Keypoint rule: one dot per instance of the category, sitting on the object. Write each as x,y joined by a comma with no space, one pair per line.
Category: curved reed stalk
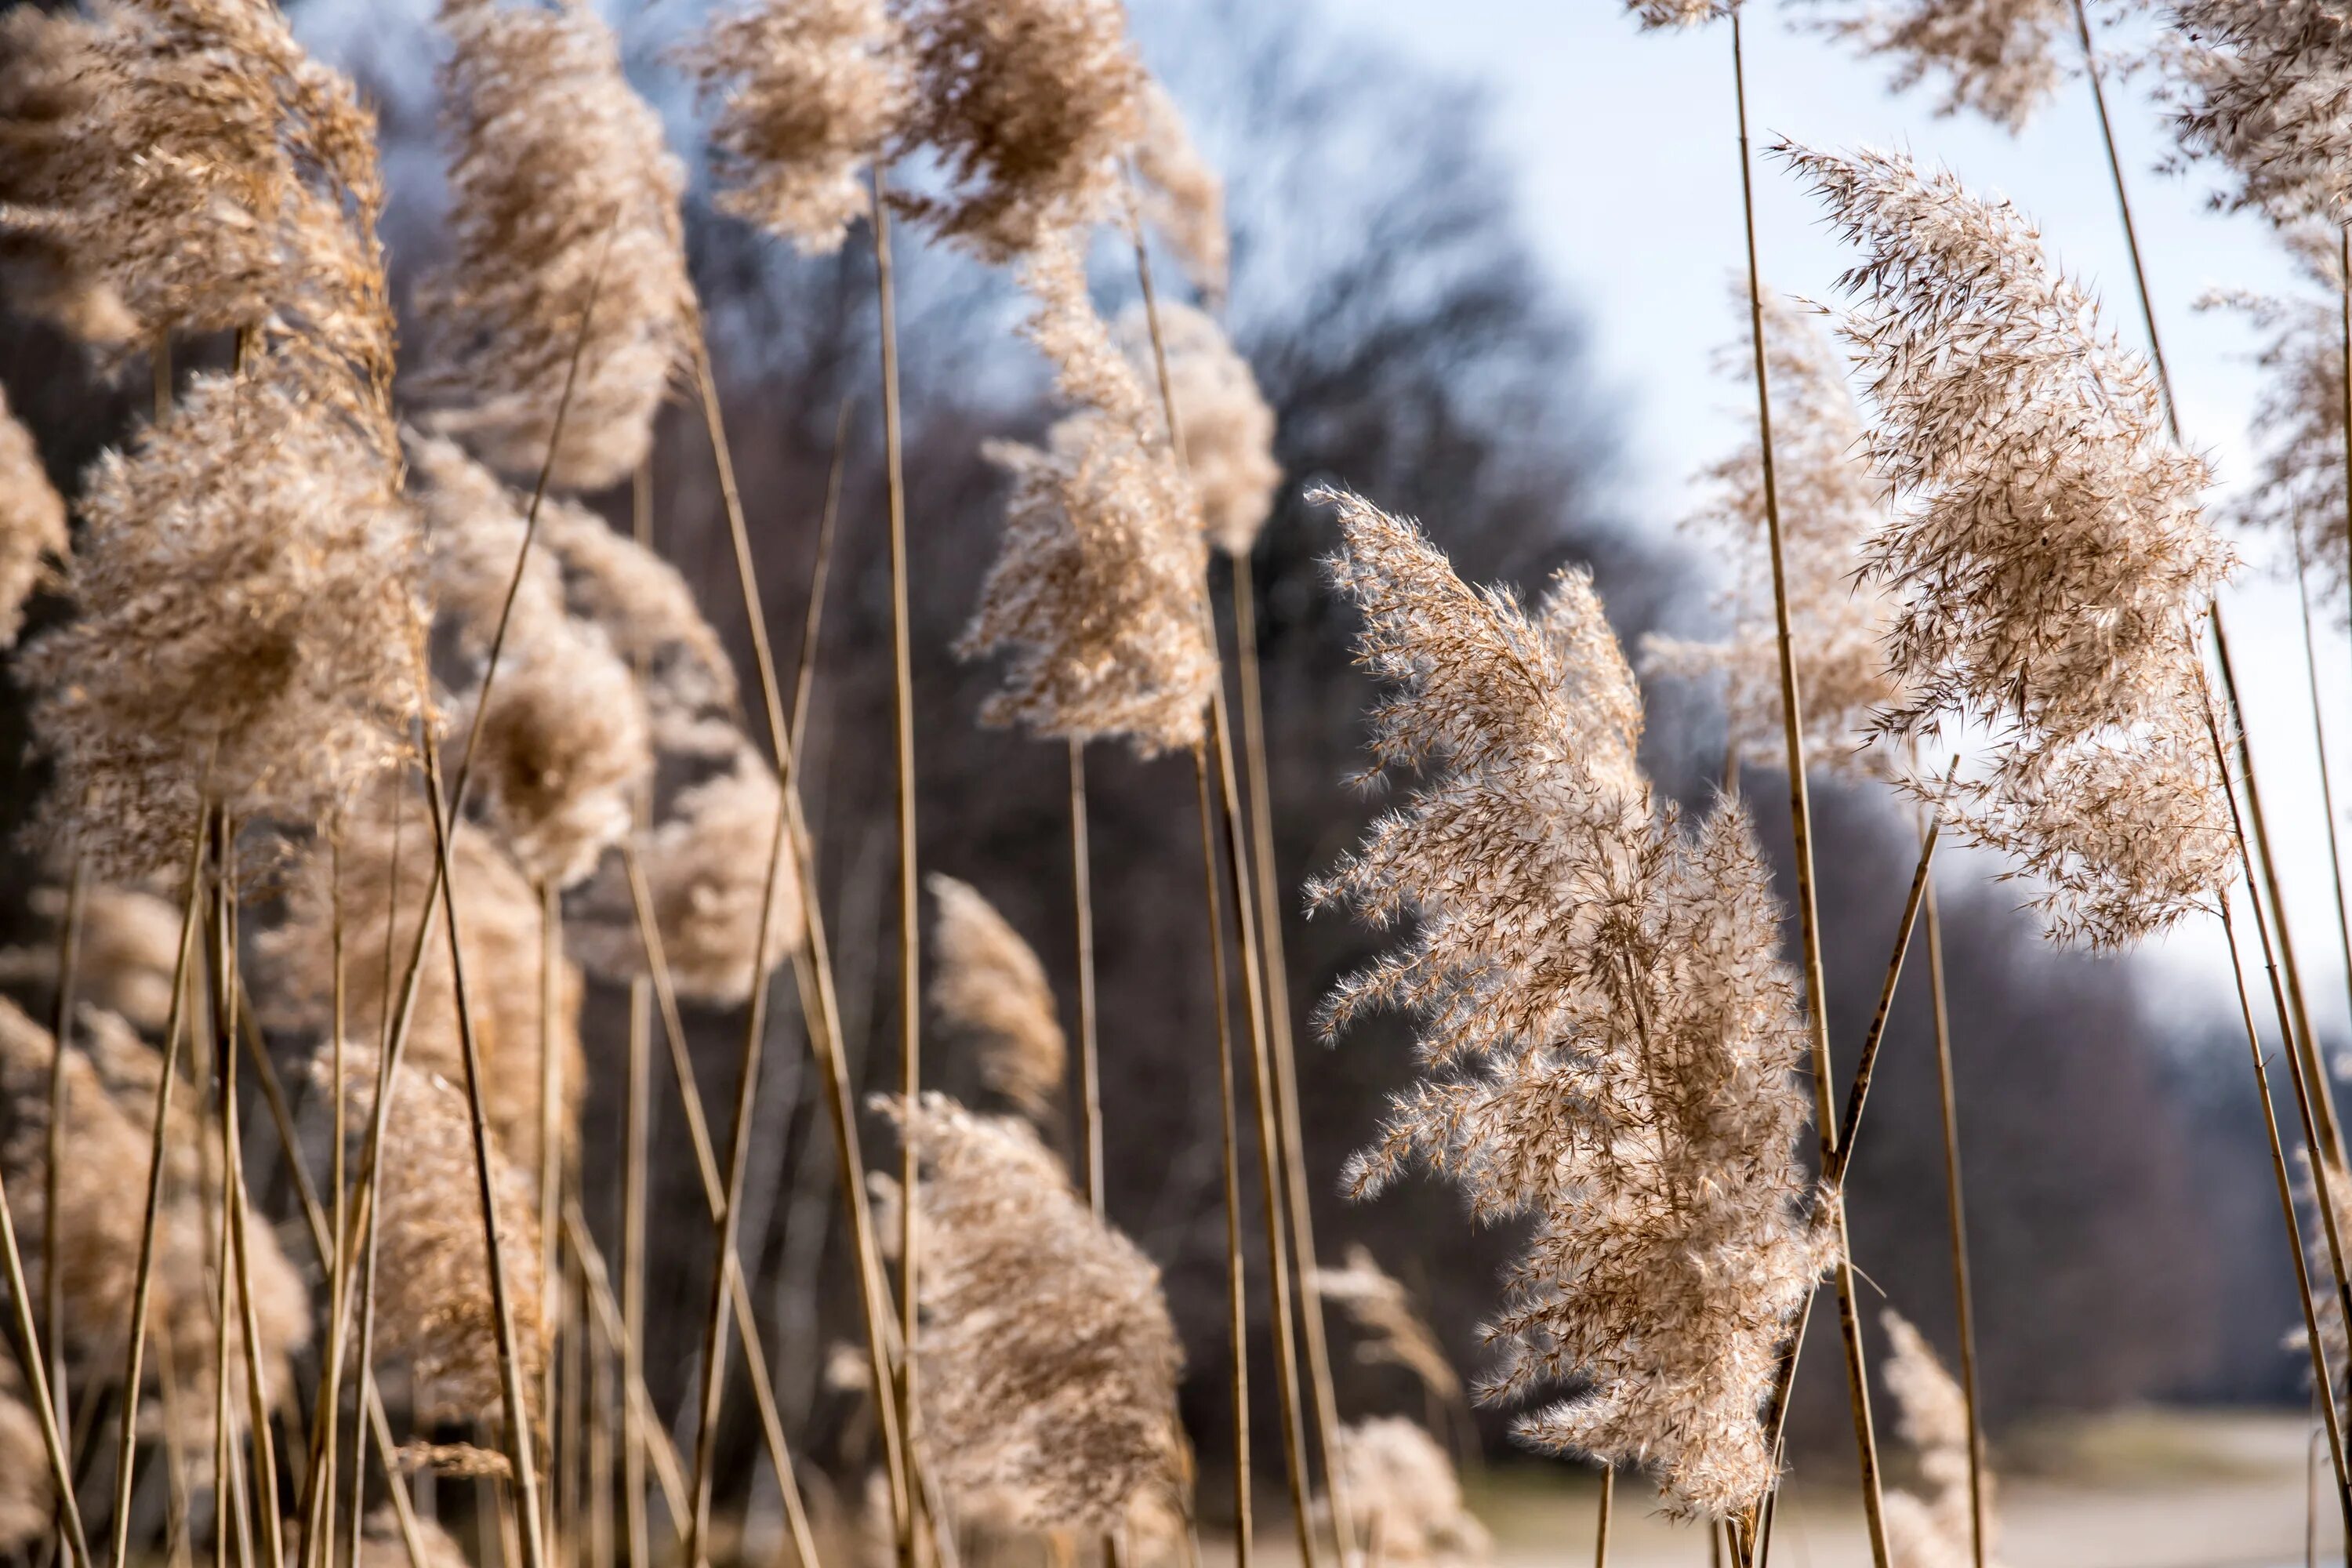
630,1336
53,1283
2326,775
1800,820
1963,1296
1236,1284
1082,892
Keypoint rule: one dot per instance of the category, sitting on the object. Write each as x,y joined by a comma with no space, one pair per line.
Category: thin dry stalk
630,1339
1963,1296
1081,899
53,1283
1801,822
820,572
1842,1149
1608,1503
667,1468
910,1002
552,1137
143,1280
1237,1287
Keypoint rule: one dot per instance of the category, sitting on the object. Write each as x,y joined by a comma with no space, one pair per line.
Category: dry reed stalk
1271,1170
1236,1286
1800,827
820,573
143,1278
554,1136
2326,775
669,1471
630,1341
910,998
812,971
1601,1529
53,1284
1082,901
1963,1296
1840,1149
520,1439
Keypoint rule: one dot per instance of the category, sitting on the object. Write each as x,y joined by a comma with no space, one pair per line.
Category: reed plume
2266,90
990,991
47,85
1182,195
566,744
124,954
1049,1360
807,92
1095,590
2048,558
1677,12
499,916
1613,1041
1228,428
32,521
1029,106
1395,1333
1930,1529
1406,1498
1996,57
432,1305
1829,506
561,190
706,871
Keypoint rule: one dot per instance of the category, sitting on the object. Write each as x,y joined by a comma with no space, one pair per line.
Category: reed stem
636,1130
551,1185
1859,1091
1608,1503
1800,823
1237,1287
53,1283
2326,778
1963,1295
820,573
144,1278
1082,894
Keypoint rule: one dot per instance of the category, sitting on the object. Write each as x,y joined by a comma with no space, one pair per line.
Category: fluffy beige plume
187,167
1049,1360
2267,90
706,864
108,1115
498,933
248,624
566,744
989,989
1029,105
1181,194
1395,1334
1405,1497
381,1545
1677,12
129,945
433,1303
26,1493
561,190
1829,505
2047,556
1930,1529
1096,593
1228,428
48,82
808,92
32,519
1997,58
1613,1042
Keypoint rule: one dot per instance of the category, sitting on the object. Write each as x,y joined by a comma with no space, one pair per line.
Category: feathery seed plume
1049,1360
1406,1498
129,944
1613,1041
808,92
1395,1334
1182,196
989,988
1998,58
1228,428
705,865
1930,1529
32,519
498,933
1677,12
2267,90
561,192
1829,505
1029,105
48,69
1095,591
432,1301
2048,560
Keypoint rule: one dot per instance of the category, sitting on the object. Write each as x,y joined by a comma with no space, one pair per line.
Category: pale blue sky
1625,144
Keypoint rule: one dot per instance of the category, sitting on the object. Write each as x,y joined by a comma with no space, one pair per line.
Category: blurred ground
2147,1488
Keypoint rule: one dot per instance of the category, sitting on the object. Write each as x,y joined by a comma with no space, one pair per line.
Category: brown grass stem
521,1444
551,1173
628,1334
1236,1284
142,1287
1800,827
1267,883
2326,775
910,993
1864,1068
669,1470
1963,1294
53,1280
1600,1527
812,974
404,1510
1082,899
820,575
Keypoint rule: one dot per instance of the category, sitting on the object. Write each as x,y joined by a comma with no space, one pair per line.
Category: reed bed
377,755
